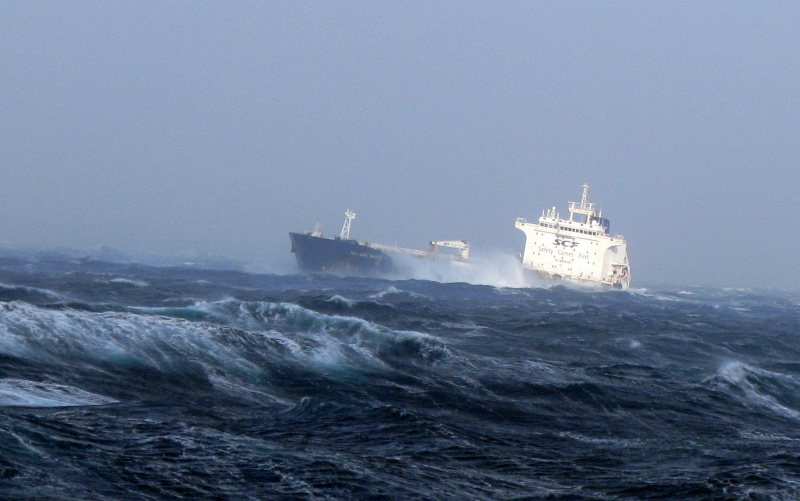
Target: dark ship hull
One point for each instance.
(337, 255)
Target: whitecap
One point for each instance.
(390, 290)
(772, 390)
(341, 300)
(25, 393)
(137, 283)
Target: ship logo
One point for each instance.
(566, 243)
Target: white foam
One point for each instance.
(736, 373)
(137, 283)
(390, 290)
(25, 393)
(52, 295)
(612, 441)
(160, 342)
(231, 349)
(341, 300)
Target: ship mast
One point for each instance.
(585, 208)
(585, 197)
(317, 232)
(348, 218)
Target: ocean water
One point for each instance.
(134, 382)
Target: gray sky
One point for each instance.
(218, 127)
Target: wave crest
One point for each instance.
(232, 345)
(780, 393)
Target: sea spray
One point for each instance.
(496, 269)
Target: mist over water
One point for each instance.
(126, 381)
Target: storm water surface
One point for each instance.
(135, 382)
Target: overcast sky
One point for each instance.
(218, 127)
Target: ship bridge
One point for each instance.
(583, 209)
(585, 212)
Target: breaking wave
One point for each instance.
(759, 388)
(24, 393)
(230, 345)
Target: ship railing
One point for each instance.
(582, 209)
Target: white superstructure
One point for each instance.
(579, 248)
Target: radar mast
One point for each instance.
(348, 218)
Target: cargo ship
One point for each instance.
(342, 255)
(579, 249)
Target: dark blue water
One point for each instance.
(134, 382)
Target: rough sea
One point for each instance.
(122, 381)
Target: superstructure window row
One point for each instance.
(567, 228)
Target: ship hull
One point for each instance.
(335, 255)
(576, 281)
